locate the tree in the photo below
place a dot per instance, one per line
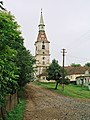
(16, 63)
(8, 68)
(75, 65)
(54, 72)
(87, 64)
(25, 62)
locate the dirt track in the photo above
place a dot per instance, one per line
(43, 104)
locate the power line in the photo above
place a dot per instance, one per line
(78, 57)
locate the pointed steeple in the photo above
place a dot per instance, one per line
(41, 25)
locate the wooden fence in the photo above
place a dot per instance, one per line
(11, 101)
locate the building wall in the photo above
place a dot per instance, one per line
(42, 54)
(73, 77)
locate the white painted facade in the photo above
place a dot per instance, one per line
(42, 53)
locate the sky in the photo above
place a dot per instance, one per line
(67, 25)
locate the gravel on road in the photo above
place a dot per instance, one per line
(43, 104)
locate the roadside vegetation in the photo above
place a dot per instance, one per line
(56, 72)
(70, 90)
(16, 62)
(17, 112)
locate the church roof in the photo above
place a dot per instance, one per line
(41, 19)
(42, 35)
(41, 25)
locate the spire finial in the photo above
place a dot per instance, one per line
(41, 10)
(41, 25)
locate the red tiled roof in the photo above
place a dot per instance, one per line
(42, 37)
(76, 70)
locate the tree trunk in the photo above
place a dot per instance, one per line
(62, 86)
(2, 113)
(56, 85)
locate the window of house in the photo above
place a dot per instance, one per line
(44, 78)
(71, 77)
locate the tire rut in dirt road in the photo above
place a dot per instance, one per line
(43, 104)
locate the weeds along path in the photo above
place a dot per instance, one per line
(43, 104)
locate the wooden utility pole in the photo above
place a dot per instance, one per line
(63, 75)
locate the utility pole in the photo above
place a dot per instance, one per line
(63, 75)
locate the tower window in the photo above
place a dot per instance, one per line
(36, 47)
(43, 58)
(43, 46)
(43, 52)
(43, 63)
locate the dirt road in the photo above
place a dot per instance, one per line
(43, 104)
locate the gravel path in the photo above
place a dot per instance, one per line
(43, 104)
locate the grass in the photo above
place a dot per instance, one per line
(17, 112)
(69, 90)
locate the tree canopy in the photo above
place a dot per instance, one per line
(87, 64)
(75, 65)
(54, 72)
(16, 63)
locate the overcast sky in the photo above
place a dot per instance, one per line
(67, 25)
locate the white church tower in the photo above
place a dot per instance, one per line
(42, 54)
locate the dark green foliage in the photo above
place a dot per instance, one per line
(75, 65)
(54, 72)
(25, 62)
(16, 63)
(87, 64)
(66, 81)
(17, 112)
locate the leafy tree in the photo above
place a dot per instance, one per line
(87, 64)
(9, 31)
(8, 74)
(75, 65)
(16, 63)
(25, 62)
(11, 36)
(54, 72)
(8, 67)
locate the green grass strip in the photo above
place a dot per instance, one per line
(69, 90)
(17, 112)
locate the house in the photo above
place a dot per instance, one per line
(78, 74)
(83, 80)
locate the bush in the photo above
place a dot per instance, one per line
(65, 81)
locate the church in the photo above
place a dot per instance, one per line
(42, 53)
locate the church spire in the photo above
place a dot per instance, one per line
(41, 25)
